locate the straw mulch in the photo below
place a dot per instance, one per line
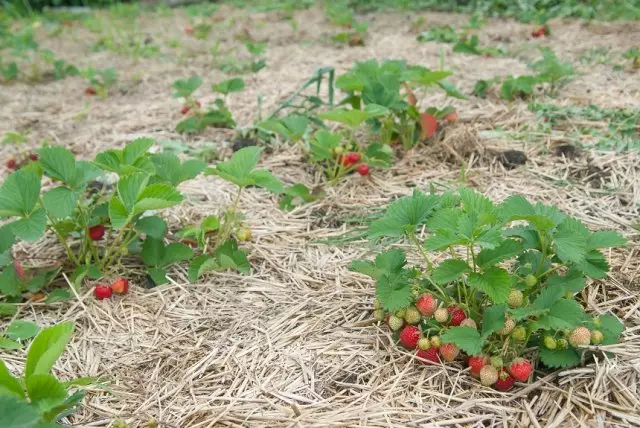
(294, 344)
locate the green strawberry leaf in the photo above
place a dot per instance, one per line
(153, 251)
(495, 282)
(465, 338)
(19, 194)
(158, 275)
(493, 319)
(570, 241)
(573, 281)
(153, 226)
(46, 348)
(58, 295)
(350, 118)
(228, 86)
(31, 227)
(176, 252)
(594, 264)
(58, 163)
(45, 392)
(322, 145)
(298, 194)
(563, 314)
(22, 330)
(9, 385)
(404, 216)
(60, 202)
(604, 239)
(507, 249)
(184, 88)
(18, 413)
(611, 328)
(169, 169)
(559, 358)
(7, 344)
(450, 270)
(393, 289)
(228, 256)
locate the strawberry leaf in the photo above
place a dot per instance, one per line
(228, 86)
(465, 338)
(19, 194)
(594, 265)
(393, 289)
(450, 270)
(604, 239)
(570, 240)
(506, 250)
(563, 314)
(559, 358)
(493, 319)
(495, 282)
(404, 215)
(22, 330)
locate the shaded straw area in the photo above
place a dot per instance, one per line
(294, 343)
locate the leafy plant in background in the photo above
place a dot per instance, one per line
(340, 14)
(471, 46)
(97, 222)
(506, 291)
(184, 88)
(38, 398)
(218, 117)
(101, 81)
(231, 64)
(441, 33)
(217, 236)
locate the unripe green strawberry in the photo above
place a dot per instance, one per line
(597, 337)
(515, 298)
(597, 322)
(496, 361)
(562, 344)
(412, 315)
(488, 375)
(519, 334)
(509, 325)
(550, 342)
(377, 304)
(244, 234)
(568, 295)
(395, 323)
(400, 313)
(424, 343)
(530, 280)
(580, 336)
(435, 341)
(441, 315)
(378, 314)
(468, 322)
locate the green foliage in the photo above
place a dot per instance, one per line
(184, 88)
(491, 249)
(39, 398)
(102, 80)
(441, 33)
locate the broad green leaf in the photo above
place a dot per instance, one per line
(563, 314)
(81, 272)
(452, 90)
(228, 256)
(30, 228)
(465, 338)
(153, 226)
(239, 167)
(191, 169)
(19, 194)
(176, 252)
(58, 163)
(8, 344)
(393, 289)
(157, 196)
(604, 239)
(7, 238)
(185, 87)
(442, 239)
(296, 125)
(493, 319)
(45, 392)
(570, 240)
(495, 282)
(199, 266)
(153, 251)
(118, 213)
(22, 330)
(7, 309)
(611, 327)
(15, 413)
(60, 202)
(350, 118)
(81, 381)
(275, 126)
(109, 160)
(594, 265)
(518, 208)
(158, 275)
(322, 145)
(130, 187)
(404, 215)
(228, 86)
(450, 270)
(168, 168)
(9, 385)
(572, 282)
(265, 179)
(296, 195)
(423, 76)
(507, 249)
(10, 284)
(45, 349)
(390, 261)
(58, 295)
(136, 149)
(559, 358)
(479, 205)
(549, 295)
(365, 267)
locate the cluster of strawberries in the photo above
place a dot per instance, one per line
(187, 108)
(350, 159)
(491, 370)
(17, 163)
(104, 291)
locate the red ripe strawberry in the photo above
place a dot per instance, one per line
(344, 160)
(185, 110)
(409, 336)
(354, 157)
(430, 354)
(476, 363)
(102, 292)
(19, 270)
(426, 304)
(363, 169)
(505, 381)
(457, 317)
(188, 30)
(33, 156)
(449, 351)
(90, 91)
(428, 124)
(12, 164)
(96, 232)
(520, 369)
(120, 286)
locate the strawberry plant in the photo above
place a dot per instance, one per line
(101, 80)
(184, 88)
(38, 398)
(505, 288)
(96, 219)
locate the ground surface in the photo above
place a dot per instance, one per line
(293, 344)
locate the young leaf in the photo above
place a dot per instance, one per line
(60, 202)
(393, 289)
(238, 168)
(452, 90)
(158, 275)
(176, 252)
(604, 239)
(185, 87)
(227, 86)
(46, 348)
(563, 314)
(16, 413)
(296, 195)
(9, 385)
(229, 256)
(495, 282)
(570, 240)
(8, 344)
(58, 163)
(19, 194)
(199, 266)
(22, 330)
(58, 295)
(450, 270)
(493, 319)
(465, 338)
(322, 145)
(152, 226)
(30, 227)
(45, 392)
